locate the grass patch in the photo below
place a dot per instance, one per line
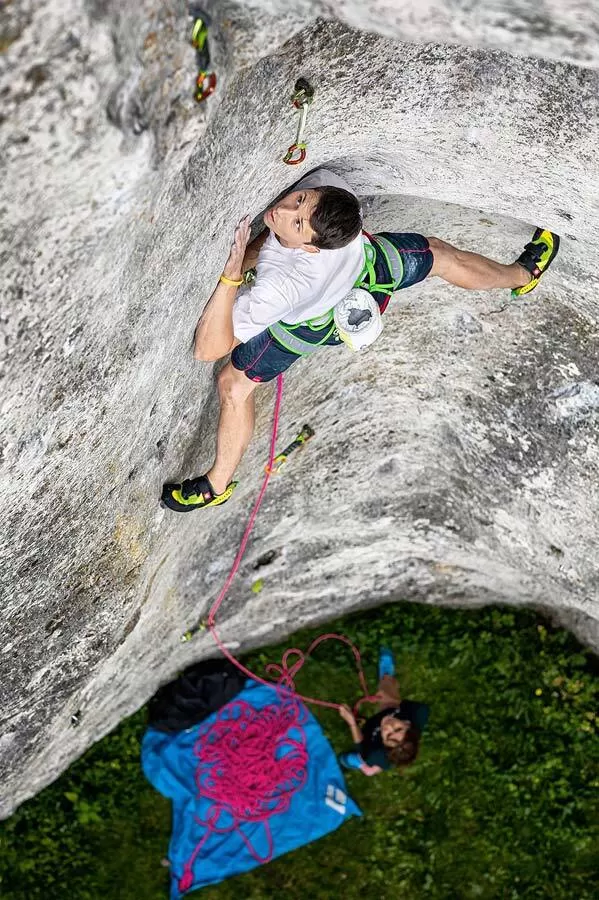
(502, 802)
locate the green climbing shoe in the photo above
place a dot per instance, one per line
(194, 493)
(536, 258)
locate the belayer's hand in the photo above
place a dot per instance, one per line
(234, 265)
(347, 715)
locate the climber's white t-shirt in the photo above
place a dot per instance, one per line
(293, 285)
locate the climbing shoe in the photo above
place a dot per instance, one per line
(194, 493)
(386, 662)
(536, 258)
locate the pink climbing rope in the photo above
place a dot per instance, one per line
(251, 762)
(286, 673)
(241, 766)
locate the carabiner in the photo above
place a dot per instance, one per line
(206, 85)
(303, 93)
(199, 34)
(277, 464)
(289, 156)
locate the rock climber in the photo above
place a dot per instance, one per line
(311, 254)
(392, 736)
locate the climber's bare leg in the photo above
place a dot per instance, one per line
(473, 271)
(235, 425)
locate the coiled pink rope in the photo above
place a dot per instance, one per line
(242, 766)
(250, 764)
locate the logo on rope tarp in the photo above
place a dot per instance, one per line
(336, 799)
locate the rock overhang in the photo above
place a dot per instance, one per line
(477, 452)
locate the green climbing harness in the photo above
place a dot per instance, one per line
(284, 332)
(367, 277)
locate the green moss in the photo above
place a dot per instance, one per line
(500, 804)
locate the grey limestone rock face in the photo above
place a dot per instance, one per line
(455, 462)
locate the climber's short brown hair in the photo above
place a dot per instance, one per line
(336, 219)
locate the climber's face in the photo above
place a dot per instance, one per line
(290, 219)
(393, 731)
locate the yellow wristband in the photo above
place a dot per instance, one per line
(230, 281)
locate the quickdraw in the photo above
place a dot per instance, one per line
(280, 460)
(302, 97)
(206, 80)
(191, 632)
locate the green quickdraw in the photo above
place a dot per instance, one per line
(302, 97)
(280, 460)
(206, 80)
(191, 632)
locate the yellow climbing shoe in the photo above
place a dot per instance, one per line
(194, 493)
(536, 258)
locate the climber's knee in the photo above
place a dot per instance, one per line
(444, 256)
(233, 385)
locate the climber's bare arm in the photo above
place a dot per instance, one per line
(214, 336)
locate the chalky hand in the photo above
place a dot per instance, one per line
(241, 237)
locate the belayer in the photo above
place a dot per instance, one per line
(313, 253)
(392, 736)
